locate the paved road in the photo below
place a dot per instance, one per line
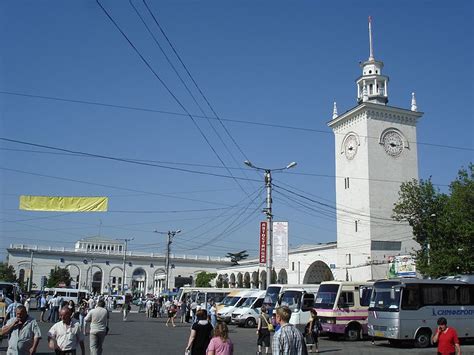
(141, 336)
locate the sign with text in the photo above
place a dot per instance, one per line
(280, 245)
(263, 242)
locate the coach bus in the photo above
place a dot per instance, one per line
(67, 294)
(300, 300)
(407, 309)
(342, 308)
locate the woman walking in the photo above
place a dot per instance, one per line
(312, 330)
(171, 314)
(200, 336)
(263, 331)
(220, 344)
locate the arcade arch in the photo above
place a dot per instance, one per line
(75, 273)
(139, 281)
(282, 277)
(240, 280)
(317, 273)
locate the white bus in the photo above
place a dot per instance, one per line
(202, 295)
(407, 309)
(342, 308)
(9, 290)
(67, 294)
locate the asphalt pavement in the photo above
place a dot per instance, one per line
(142, 336)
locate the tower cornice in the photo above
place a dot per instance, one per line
(377, 112)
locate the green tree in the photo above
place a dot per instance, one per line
(7, 273)
(203, 279)
(443, 223)
(59, 275)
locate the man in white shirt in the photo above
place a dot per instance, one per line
(65, 335)
(91, 303)
(99, 323)
(149, 305)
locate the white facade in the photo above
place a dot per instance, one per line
(94, 265)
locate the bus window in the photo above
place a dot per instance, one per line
(346, 299)
(73, 294)
(326, 296)
(432, 295)
(364, 295)
(291, 299)
(411, 297)
(464, 296)
(258, 303)
(61, 294)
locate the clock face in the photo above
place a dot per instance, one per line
(393, 143)
(350, 147)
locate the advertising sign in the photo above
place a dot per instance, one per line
(280, 245)
(401, 266)
(263, 242)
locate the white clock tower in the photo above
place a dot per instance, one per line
(375, 152)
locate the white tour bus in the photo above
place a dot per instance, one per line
(202, 295)
(67, 294)
(407, 309)
(300, 300)
(247, 314)
(342, 308)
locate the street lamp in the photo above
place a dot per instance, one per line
(268, 212)
(171, 235)
(126, 240)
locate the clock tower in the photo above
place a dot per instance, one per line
(375, 151)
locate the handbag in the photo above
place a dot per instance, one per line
(270, 326)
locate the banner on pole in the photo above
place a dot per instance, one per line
(280, 245)
(263, 243)
(64, 204)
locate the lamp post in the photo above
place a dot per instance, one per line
(171, 235)
(268, 212)
(126, 240)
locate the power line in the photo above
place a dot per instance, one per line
(263, 124)
(170, 92)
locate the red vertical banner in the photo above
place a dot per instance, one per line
(263, 242)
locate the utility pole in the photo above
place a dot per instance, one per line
(126, 240)
(30, 280)
(170, 235)
(268, 212)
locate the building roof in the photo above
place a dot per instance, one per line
(100, 239)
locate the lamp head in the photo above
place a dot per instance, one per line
(248, 163)
(291, 165)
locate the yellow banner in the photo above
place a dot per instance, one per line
(64, 204)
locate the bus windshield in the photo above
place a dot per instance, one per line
(292, 299)
(326, 297)
(248, 302)
(230, 301)
(272, 295)
(7, 290)
(385, 297)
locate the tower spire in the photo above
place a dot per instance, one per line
(371, 53)
(334, 111)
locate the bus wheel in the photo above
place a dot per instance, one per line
(422, 339)
(250, 323)
(353, 332)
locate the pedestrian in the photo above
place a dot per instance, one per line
(54, 304)
(312, 330)
(43, 305)
(99, 326)
(82, 314)
(264, 327)
(11, 309)
(220, 344)
(149, 308)
(447, 338)
(91, 303)
(194, 306)
(66, 335)
(287, 340)
(23, 332)
(200, 336)
(213, 313)
(126, 307)
(27, 304)
(171, 314)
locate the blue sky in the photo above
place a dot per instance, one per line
(274, 62)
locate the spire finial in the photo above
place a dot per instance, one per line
(371, 53)
(334, 111)
(414, 107)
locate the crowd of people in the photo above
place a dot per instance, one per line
(71, 323)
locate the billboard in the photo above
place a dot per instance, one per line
(263, 242)
(280, 245)
(401, 266)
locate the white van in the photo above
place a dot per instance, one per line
(300, 300)
(247, 314)
(225, 313)
(67, 294)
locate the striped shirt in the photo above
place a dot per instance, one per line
(288, 341)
